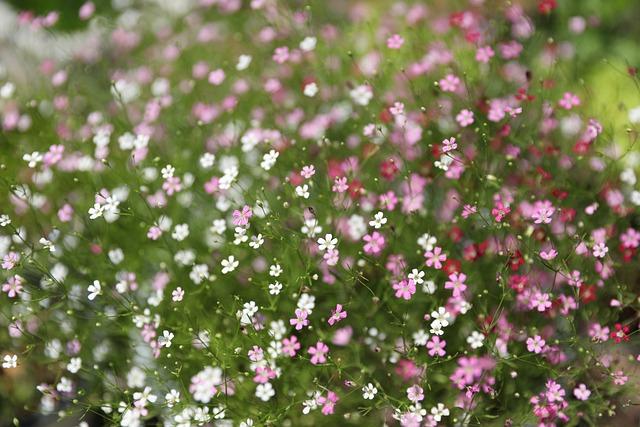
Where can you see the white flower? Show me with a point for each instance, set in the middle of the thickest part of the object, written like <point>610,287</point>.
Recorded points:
<point>444,162</point>
<point>243,62</point>
<point>275,288</point>
<point>207,160</point>
<point>308,44</point>
<point>180,232</point>
<point>64,385</point>
<point>265,391</point>
<point>269,159</point>
<point>167,171</point>
<point>303,191</point>
<point>219,226</point>
<point>256,241</point>
<point>9,361</point>
<point>427,242</point>
<point>145,396</point>
<point>369,392</point>
<point>475,340</point>
<point>247,423</point>
<point>4,220</point>
<point>96,211</point>
<point>275,270</point>
<point>33,159</point>
<point>441,316</point>
<point>94,290</point>
<point>47,244</point>
<point>327,243</point>
<point>420,338</point>
<point>172,398</point>
<point>250,308</point>
<point>136,378</point>
<point>378,220</point>
<point>229,264</point>
<point>311,227</point>
<point>74,365</point>
<point>429,287</point>
<point>416,275</point>
<point>240,236</point>
<point>361,95</point>
<point>165,339</point>
<point>310,89</point>
<point>307,302</point>
<point>439,411</point>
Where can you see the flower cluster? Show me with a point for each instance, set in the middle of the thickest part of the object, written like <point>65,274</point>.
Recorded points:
<point>249,213</point>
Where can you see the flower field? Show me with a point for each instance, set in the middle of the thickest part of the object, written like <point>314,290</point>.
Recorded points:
<point>342,213</point>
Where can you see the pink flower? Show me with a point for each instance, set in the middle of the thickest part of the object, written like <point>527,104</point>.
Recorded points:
<point>415,393</point>
<point>464,118</point>
<point>281,54</point>
<point>569,100</point>
<point>13,286</point>
<point>172,185</point>
<point>395,41</point>
<point>300,321</point>
<point>328,403</point>
<point>484,54</point>
<point>540,301</point>
<point>154,233</point>
<point>374,243</point>
<point>543,215</point>
<point>216,77</point>
<point>397,108</point>
<point>241,218</point>
<point>499,211</point>
<point>340,185</point>
<point>600,250</point>
<point>10,260</point>
<point>318,353</point>
<point>435,258</point>
<point>449,145</point>
<point>581,392</point>
<point>308,171</point>
<point>65,214</point>
<point>536,344</point>
<point>405,288</point>
<point>436,346</point>
<point>548,255</point>
<point>290,346</point>
<point>456,282</point>
<point>468,210</point>
<point>450,83</point>
<point>337,315</point>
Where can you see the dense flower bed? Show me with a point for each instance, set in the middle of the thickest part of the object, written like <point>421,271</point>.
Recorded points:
<point>241,213</point>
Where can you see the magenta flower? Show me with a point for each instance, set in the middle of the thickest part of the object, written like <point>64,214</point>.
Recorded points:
<point>395,41</point>
<point>405,288</point>
<point>13,286</point>
<point>374,243</point>
<point>581,392</point>
<point>300,321</point>
<point>241,218</point>
<point>536,344</point>
<point>328,403</point>
<point>464,118</point>
<point>436,346</point>
<point>336,315</point>
<point>318,353</point>
<point>456,282</point>
<point>290,346</point>
<point>450,83</point>
<point>500,210</point>
<point>435,258</point>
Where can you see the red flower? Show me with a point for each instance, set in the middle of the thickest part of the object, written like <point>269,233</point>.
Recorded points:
<point>587,293</point>
<point>620,334</point>
<point>546,6</point>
